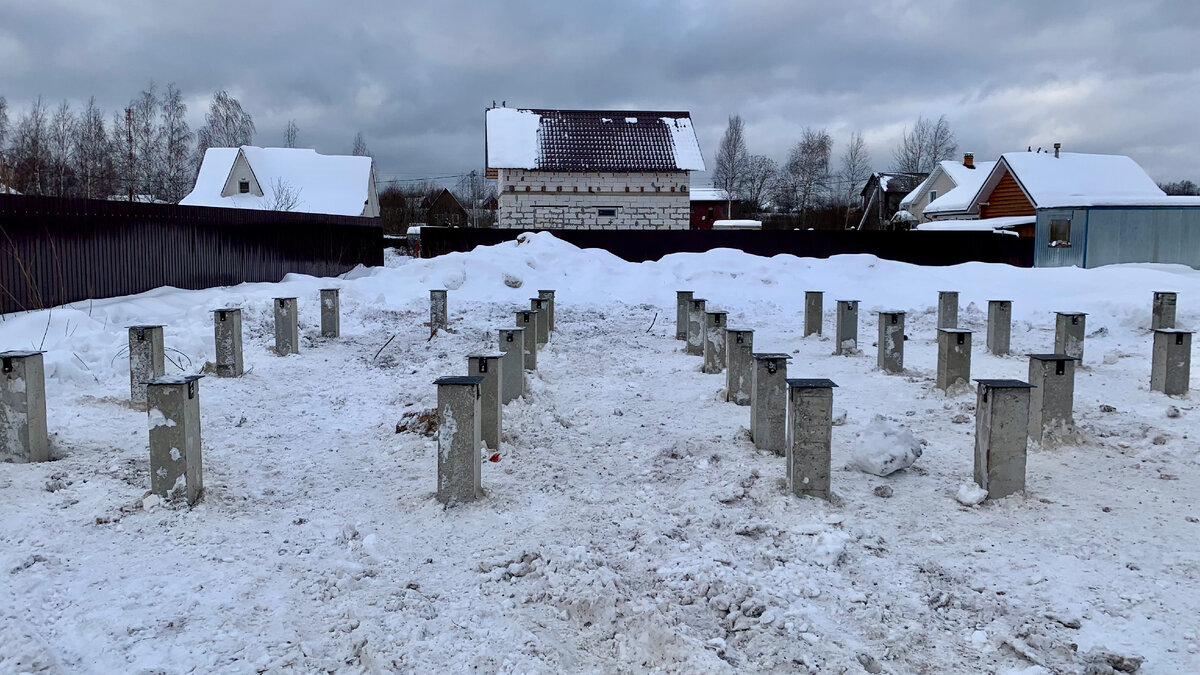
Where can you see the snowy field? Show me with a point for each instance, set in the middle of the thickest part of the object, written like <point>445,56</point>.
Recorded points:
<point>630,525</point>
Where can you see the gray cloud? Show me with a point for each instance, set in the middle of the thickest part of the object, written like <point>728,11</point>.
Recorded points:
<point>1098,76</point>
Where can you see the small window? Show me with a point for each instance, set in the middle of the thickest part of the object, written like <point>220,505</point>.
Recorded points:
<point>606,213</point>
<point>932,195</point>
<point>1060,232</point>
<point>243,186</point>
<point>711,213</point>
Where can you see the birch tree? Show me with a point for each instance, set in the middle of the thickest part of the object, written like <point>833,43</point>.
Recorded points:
<point>226,125</point>
<point>807,169</point>
<point>93,154</point>
<point>761,173</point>
<point>854,171</point>
<point>360,146</point>
<point>732,157</point>
<point>290,133</point>
<point>61,138</point>
<point>176,146</point>
<point>30,152</point>
<point>921,148</point>
<point>147,142</point>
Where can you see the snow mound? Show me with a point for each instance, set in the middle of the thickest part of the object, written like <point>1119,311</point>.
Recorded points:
<point>970,494</point>
<point>884,448</point>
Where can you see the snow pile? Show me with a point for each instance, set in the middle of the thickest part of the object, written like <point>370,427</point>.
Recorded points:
<point>512,138</point>
<point>884,448</point>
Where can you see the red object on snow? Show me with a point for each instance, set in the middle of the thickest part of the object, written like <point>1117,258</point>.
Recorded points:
<point>494,458</point>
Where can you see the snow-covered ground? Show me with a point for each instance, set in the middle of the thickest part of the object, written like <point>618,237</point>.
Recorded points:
<point>630,525</point>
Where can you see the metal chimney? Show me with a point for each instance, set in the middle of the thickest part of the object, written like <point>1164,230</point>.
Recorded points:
<point>1056,147</point>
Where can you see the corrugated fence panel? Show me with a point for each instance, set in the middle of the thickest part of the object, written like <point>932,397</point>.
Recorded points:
<point>57,251</point>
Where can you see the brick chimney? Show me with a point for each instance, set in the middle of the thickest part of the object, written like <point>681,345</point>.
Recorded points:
<point>969,160</point>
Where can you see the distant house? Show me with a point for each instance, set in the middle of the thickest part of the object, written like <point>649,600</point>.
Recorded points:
<point>952,182</point>
<point>881,197</point>
<point>709,204</point>
<point>592,168</point>
<point>443,210</point>
<point>286,179</point>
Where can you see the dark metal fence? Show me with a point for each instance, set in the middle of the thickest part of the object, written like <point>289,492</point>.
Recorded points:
<point>920,248</point>
<point>56,251</point>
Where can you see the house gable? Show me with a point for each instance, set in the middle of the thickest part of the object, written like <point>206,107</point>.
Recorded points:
<point>1003,196</point>
<point>239,172</point>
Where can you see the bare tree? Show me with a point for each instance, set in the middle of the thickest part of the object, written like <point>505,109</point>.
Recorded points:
<point>176,146</point>
<point>226,125</point>
<point>1180,188</point>
<point>290,133</point>
<point>93,156</point>
<point>807,169</point>
<point>30,154</point>
<point>761,174</point>
<point>360,146</point>
<point>3,125</point>
<point>61,141</point>
<point>730,170</point>
<point>147,142</point>
<point>474,191</point>
<point>854,171</point>
<point>920,149</point>
<point>284,197</point>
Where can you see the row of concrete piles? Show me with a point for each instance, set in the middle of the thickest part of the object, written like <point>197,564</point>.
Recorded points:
<point>1008,412</point>
<point>470,407</point>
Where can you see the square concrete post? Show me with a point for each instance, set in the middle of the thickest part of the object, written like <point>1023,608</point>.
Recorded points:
<point>1068,334</point>
<point>227,333</point>
<point>458,461</point>
<point>768,406</point>
<point>1052,399</point>
<point>739,365</point>
<point>287,327</point>
<point>491,368</point>
<point>542,307</point>
<point>999,327</point>
<point>810,435</point>
<point>331,308</point>
<point>846,333</point>
<point>1171,362</point>
<point>23,408</point>
<point>695,336</point>
<point>1163,314</point>
<point>146,361</point>
<point>947,309</point>
<point>548,296</point>
<point>512,344</point>
<point>814,306</point>
<point>1001,436</point>
<point>528,321</point>
<point>954,357</point>
<point>714,341</point>
<point>438,318</point>
<point>175,436</point>
<point>891,342</point>
<point>683,303</point>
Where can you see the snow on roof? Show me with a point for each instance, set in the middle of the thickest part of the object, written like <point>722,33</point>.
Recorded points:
<point>998,225</point>
<point>1075,179</point>
<point>591,140</point>
<point>709,194</point>
<point>331,184</point>
<point>737,225</point>
<point>966,184</point>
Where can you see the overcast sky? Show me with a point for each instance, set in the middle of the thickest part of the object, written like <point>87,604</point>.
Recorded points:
<point>1096,75</point>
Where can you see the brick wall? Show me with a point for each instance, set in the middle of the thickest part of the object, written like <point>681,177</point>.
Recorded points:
<point>577,200</point>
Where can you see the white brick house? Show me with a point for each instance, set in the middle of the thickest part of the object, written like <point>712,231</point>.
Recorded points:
<point>592,169</point>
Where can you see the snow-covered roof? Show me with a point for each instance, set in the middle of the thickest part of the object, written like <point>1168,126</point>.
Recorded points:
<point>591,140</point>
<point>999,225</point>
<point>332,184</point>
<point>737,224</point>
<point>5,190</point>
<point>966,186</point>
<point>709,194</point>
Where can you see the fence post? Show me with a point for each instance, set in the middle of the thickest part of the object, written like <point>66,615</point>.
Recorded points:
<point>331,307</point>
<point>458,461</point>
<point>1052,399</point>
<point>890,358</point>
<point>542,307</point>
<point>1001,436</point>
<point>438,318</point>
<point>23,408</point>
<point>683,303</point>
<point>548,295</point>
<point>695,336</point>
<point>947,309</point>
<point>768,407</point>
<point>491,368</point>
<point>810,435</point>
<point>814,302</point>
<point>146,361</point>
<point>954,357</point>
<point>1163,310</point>
<point>174,414</point>
<point>999,331</point>
<point>1171,362</point>
<point>1068,334</point>
<point>528,320</point>
<point>739,365</point>
<point>847,327</point>
<point>512,344</point>
<point>714,342</point>
<point>287,327</point>
<point>227,334</point>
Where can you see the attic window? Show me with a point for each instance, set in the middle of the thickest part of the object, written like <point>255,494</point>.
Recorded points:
<point>932,195</point>
<point>243,186</point>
